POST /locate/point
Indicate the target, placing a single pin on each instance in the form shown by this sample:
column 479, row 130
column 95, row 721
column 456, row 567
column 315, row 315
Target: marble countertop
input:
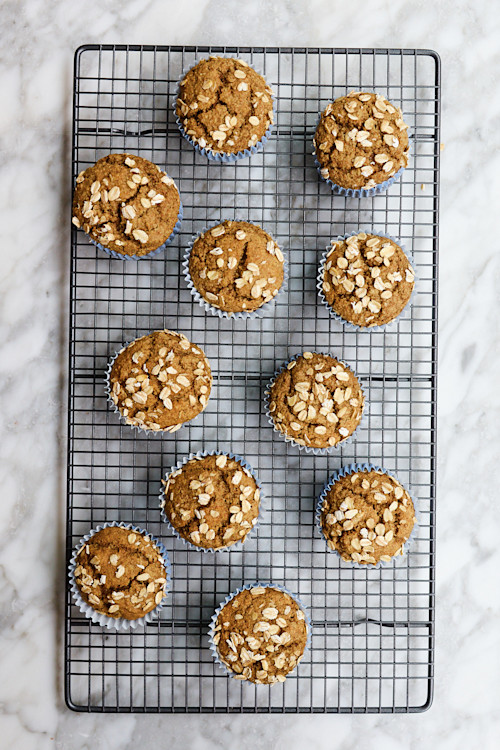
column 39, row 39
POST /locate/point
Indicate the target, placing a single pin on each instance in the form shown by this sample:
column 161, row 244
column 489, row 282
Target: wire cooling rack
column 373, row 630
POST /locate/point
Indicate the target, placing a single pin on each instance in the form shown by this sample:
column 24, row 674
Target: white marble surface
column 38, row 39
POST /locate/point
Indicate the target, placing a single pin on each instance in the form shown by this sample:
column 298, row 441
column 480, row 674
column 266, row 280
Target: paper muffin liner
column 118, row 623
column 358, row 192
column 287, row 438
column 220, row 156
column 152, row 253
column 360, row 468
column 201, row 454
column 107, row 389
column 229, row 597
column 405, row 312
column 244, row 314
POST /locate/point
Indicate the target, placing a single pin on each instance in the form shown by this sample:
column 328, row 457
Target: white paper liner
column 258, row 313
column 118, row 623
column 381, row 187
column 405, row 312
column 361, row 468
column 107, row 389
column 152, row 253
column 213, row 622
column 201, row 454
column 288, row 438
column 217, row 156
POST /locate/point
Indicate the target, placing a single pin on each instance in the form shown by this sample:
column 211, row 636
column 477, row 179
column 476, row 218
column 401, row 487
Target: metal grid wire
column 373, row 636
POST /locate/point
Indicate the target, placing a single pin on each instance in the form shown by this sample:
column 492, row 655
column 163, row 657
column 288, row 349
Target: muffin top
column 160, row 381
column 367, row 279
column 367, row 517
column 317, row 401
column 224, row 105
column 126, row 204
column 261, row 634
column 236, row 266
column 212, row 502
column 121, row 573
column 361, row 141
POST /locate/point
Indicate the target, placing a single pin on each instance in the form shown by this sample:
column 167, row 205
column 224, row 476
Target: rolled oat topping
column 361, row 141
column 317, row 401
column 126, row 203
column 236, row 266
column 160, row 381
column 367, row 516
column 367, row 279
column 224, row 105
column 212, row 501
column 121, row 573
column 261, row 635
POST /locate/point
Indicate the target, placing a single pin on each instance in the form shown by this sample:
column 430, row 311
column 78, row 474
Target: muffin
column 365, row 279
column 366, row 516
column 121, row 572
column 361, row 142
column 224, row 108
column 315, row 401
column 127, row 205
column 259, row 634
column 160, row 381
column 235, row 267
column 212, row 501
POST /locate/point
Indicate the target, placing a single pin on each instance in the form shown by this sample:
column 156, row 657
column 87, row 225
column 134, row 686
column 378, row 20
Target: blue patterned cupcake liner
column 381, row 187
column 355, row 469
column 123, row 420
column 243, row 315
column 238, row 546
column 229, row 597
column 405, row 312
column 152, row 253
column 98, row 618
column 220, row 156
column 307, row 448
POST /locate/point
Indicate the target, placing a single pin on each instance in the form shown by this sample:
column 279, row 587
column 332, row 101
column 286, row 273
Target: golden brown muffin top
column 361, row 140
column 261, row 634
column 224, row 105
column 160, row 381
column 367, row 516
column 126, row 203
column 236, row 266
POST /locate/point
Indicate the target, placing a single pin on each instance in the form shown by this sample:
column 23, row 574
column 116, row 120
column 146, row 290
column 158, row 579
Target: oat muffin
column 160, row 381
column 236, row 267
column 212, row 501
column 126, row 204
column 366, row 516
column 260, row 635
column 316, row 401
column 224, row 106
column 361, row 141
column 366, row 279
column 120, row 572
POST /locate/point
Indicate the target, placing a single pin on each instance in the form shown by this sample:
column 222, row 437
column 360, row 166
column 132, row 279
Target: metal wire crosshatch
column 373, row 630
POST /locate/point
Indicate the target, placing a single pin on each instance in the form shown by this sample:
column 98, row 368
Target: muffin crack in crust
column 236, row 266
column 317, row 401
column 160, row 381
column 212, row 501
column 367, row 516
column 224, row 105
column 261, row 635
column 121, row 573
column 367, row 279
column 361, row 141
